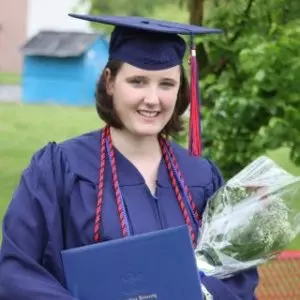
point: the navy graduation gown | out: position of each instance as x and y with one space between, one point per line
53 208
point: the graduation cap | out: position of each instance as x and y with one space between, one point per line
156 45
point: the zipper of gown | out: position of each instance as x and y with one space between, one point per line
157 210
156 206
158 213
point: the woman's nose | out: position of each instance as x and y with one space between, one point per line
151 98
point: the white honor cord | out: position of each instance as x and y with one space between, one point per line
207 295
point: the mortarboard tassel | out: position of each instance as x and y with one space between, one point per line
195 142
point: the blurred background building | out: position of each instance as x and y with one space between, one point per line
22 19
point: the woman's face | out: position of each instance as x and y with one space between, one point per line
144 100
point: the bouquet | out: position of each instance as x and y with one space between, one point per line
249 220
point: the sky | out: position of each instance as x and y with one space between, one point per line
46 14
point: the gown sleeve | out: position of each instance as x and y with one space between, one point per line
241 286
30 225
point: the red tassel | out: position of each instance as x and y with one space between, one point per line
195 147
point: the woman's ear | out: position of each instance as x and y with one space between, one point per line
109 82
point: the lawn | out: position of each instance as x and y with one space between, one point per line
26 128
10 78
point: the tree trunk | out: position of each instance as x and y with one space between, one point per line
196 8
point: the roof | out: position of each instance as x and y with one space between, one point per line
60 43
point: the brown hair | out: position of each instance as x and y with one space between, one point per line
105 107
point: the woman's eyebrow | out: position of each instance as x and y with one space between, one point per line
169 79
136 77
146 78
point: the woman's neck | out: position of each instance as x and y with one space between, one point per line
133 146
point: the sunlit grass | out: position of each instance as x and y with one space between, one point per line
10 78
26 128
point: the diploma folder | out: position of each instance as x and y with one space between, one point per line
158 265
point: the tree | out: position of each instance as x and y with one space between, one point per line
250 86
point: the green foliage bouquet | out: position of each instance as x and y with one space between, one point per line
249 220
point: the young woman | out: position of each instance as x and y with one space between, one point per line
124 179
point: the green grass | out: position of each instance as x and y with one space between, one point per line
281 156
26 128
9 78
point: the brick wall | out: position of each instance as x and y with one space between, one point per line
13 20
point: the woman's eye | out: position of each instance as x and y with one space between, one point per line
137 82
167 84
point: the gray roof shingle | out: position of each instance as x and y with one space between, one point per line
59 43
